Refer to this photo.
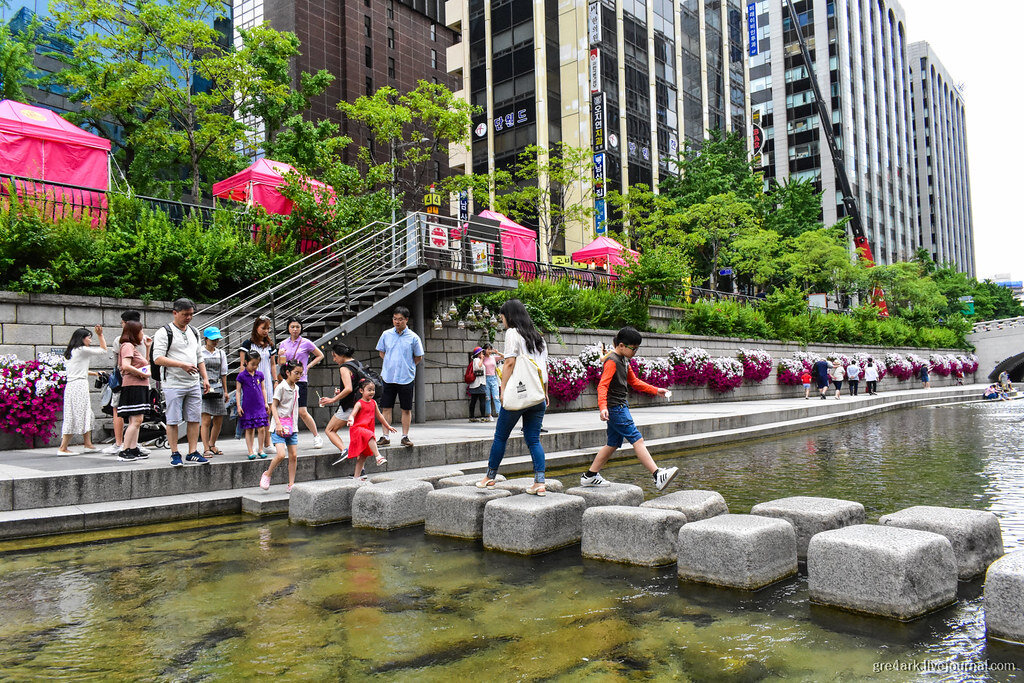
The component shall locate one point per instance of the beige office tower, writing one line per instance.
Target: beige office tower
(630, 80)
(944, 223)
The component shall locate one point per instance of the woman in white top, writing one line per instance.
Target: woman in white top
(78, 417)
(871, 377)
(838, 374)
(523, 344)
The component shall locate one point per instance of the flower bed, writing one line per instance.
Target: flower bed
(689, 366)
(655, 371)
(725, 374)
(969, 363)
(790, 370)
(590, 357)
(899, 367)
(757, 364)
(567, 378)
(940, 364)
(31, 394)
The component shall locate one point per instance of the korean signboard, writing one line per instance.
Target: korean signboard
(595, 70)
(597, 121)
(599, 175)
(752, 28)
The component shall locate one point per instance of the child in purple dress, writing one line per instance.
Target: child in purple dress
(252, 410)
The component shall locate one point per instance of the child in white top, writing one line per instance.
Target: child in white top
(78, 417)
(285, 411)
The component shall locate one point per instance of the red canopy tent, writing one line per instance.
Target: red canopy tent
(517, 241)
(604, 251)
(37, 143)
(261, 184)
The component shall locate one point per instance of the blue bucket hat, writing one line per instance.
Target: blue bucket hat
(212, 333)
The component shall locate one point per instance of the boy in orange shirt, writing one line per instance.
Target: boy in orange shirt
(806, 379)
(612, 399)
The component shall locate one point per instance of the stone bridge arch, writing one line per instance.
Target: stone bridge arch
(999, 345)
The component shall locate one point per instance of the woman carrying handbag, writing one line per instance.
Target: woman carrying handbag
(524, 393)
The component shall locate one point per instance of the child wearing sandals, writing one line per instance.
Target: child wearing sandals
(285, 409)
(361, 425)
(252, 411)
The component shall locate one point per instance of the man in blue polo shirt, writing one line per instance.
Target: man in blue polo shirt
(401, 350)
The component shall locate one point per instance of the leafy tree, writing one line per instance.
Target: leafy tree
(711, 228)
(720, 166)
(992, 302)
(909, 293)
(658, 271)
(791, 208)
(757, 256)
(17, 52)
(819, 260)
(641, 217)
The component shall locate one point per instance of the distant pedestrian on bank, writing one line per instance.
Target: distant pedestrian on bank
(115, 397)
(853, 378)
(261, 342)
(925, 379)
(344, 396)
(176, 349)
(285, 409)
(838, 374)
(871, 377)
(252, 411)
(401, 350)
(821, 377)
(134, 400)
(959, 375)
(617, 378)
(806, 379)
(78, 417)
(493, 382)
(297, 348)
(524, 393)
(215, 402)
(478, 386)
(365, 414)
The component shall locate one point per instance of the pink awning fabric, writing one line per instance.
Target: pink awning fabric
(604, 251)
(517, 241)
(37, 143)
(261, 183)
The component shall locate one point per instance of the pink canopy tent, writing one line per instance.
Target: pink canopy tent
(517, 241)
(604, 251)
(37, 143)
(261, 184)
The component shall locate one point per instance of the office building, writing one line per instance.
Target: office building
(944, 223)
(632, 80)
(861, 60)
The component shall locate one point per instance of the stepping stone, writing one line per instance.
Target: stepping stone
(695, 504)
(810, 515)
(391, 505)
(265, 503)
(465, 480)
(528, 525)
(520, 484)
(632, 535)
(613, 494)
(323, 502)
(975, 535)
(737, 551)
(1004, 598)
(459, 510)
(883, 570)
(428, 474)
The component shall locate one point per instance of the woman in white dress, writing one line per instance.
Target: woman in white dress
(78, 417)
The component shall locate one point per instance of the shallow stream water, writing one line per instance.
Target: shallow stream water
(232, 599)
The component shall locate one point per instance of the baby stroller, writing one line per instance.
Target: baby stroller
(153, 431)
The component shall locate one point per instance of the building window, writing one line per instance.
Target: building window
(391, 38)
(391, 67)
(368, 56)
(369, 85)
(391, 9)
(368, 25)
(437, 171)
(433, 32)
(433, 59)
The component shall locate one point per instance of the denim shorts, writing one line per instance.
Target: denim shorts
(290, 440)
(621, 427)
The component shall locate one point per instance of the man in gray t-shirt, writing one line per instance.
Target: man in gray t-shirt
(176, 349)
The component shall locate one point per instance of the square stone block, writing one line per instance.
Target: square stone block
(430, 475)
(266, 503)
(463, 480)
(520, 484)
(884, 570)
(975, 535)
(323, 502)
(459, 510)
(632, 535)
(695, 504)
(1004, 598)
(390, 505)
(810, 515)
(613, 494)
(737, 551)
(527, 525)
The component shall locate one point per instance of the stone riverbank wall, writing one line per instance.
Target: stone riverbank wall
(31, 324)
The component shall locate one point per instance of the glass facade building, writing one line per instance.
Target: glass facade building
(656, 75)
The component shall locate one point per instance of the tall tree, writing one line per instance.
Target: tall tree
(791, 208)
(819, 260)
(720, 166)
(712, 227)
(17, 52)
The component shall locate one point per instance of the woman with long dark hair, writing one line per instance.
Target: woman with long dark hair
(78, 417)
(261, 342)
(525, 347)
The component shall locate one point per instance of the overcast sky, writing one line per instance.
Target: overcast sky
(977, 43)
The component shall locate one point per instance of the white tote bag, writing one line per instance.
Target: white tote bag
(525, 387)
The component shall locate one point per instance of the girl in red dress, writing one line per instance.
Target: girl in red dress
(361, 424)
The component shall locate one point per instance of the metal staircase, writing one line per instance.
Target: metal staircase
(345, 284)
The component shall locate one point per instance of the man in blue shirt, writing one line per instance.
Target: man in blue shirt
(401, 350)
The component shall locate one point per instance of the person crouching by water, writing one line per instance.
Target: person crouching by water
(524, 394)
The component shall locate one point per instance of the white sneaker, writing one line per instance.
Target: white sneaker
(596, 480)
(664, 476)
(318, 442)
(144, 451)
(270, 450)
(112, 449)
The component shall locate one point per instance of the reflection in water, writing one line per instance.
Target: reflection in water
(262, 599)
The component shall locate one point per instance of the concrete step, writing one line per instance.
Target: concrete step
(263, 503)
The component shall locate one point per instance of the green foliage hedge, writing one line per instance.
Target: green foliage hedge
(140, 253)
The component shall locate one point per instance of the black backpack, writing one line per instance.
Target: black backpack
(170, 340)
(359, 373)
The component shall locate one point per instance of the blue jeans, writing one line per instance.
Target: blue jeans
(493, 401)
(533, 418)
